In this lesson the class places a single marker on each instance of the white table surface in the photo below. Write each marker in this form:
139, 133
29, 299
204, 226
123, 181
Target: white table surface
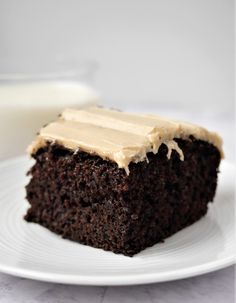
217, 287
214, 287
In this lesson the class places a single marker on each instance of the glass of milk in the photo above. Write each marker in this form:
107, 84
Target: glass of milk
28, 101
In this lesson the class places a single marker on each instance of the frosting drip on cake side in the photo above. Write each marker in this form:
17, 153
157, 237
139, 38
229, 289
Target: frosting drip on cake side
119, 136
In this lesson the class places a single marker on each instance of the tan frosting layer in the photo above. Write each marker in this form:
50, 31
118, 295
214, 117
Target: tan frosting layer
119, 136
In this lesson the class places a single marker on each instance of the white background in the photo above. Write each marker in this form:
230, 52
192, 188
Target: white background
172, 56
154, 52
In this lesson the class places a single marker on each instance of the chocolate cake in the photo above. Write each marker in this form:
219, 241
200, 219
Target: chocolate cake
120, 181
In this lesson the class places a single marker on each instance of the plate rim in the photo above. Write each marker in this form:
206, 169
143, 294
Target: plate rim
120, 280
108, 280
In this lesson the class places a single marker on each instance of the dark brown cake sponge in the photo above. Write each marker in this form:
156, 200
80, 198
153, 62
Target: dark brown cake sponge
90, 200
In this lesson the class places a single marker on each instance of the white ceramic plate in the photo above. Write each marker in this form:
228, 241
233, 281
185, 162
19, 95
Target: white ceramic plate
29, 250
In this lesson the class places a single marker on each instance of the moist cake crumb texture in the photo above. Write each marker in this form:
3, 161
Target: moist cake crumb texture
121, 182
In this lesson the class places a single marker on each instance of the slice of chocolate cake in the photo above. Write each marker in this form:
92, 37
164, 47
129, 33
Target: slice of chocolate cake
119, 181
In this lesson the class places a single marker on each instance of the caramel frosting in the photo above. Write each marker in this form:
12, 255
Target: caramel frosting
119, 136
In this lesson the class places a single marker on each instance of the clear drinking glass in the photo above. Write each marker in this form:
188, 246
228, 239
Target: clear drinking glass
28, 100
